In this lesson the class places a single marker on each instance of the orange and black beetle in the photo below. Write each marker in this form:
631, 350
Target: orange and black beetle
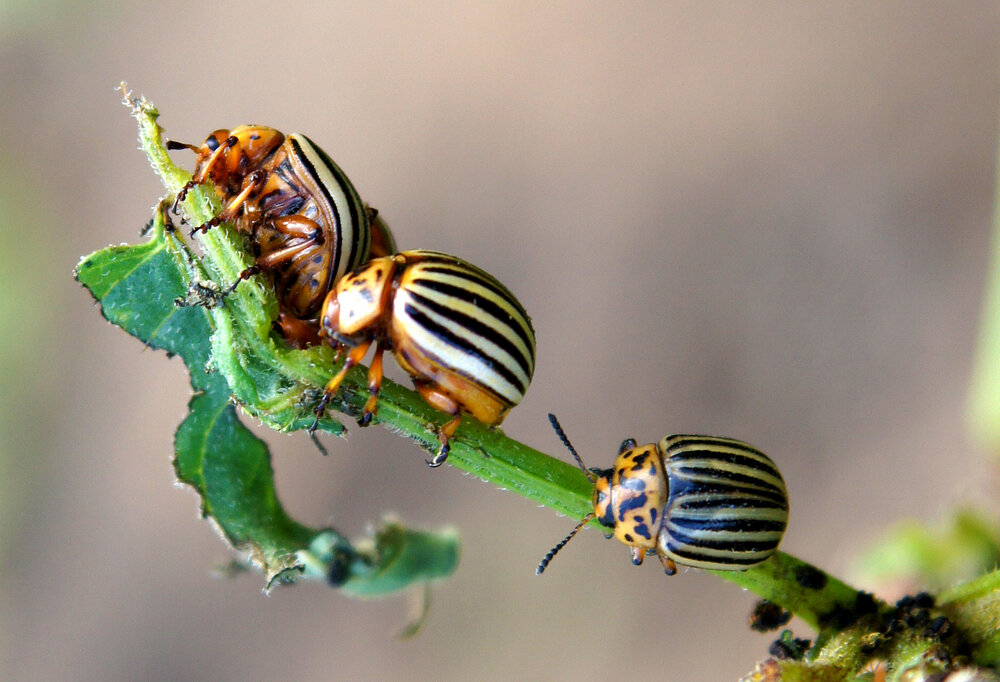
307, 225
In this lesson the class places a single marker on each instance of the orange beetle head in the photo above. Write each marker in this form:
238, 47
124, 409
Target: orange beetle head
226, 156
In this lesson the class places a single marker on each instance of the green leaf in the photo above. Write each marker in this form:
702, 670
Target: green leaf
136, 287
390, 561
401, 555
143, 289
230, 469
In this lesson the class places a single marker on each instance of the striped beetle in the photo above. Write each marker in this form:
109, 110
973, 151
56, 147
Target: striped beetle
460, 334
701, 501
306, 222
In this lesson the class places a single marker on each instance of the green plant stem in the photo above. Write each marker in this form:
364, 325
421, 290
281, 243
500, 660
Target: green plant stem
974, 607
245, 317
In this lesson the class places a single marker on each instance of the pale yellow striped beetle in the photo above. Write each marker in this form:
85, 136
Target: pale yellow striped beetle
460, 334
701, 501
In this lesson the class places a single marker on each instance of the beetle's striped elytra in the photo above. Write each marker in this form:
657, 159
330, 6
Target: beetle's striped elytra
702, 501
462, 336
307, 224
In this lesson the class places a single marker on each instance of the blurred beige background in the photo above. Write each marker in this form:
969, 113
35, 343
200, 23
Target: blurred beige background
768, 221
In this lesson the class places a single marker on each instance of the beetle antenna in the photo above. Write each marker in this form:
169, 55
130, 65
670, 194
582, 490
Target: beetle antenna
562, 436
552, 552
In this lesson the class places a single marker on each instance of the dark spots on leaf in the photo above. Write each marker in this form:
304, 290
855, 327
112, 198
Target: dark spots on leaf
788, 647
810, 577
841, 616
921, 600
865, 604
939, 628
767, 616
340, 567
838, 617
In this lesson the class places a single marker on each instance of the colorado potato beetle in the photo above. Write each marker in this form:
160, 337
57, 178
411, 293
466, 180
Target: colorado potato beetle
701, 501
306, 222
461, 335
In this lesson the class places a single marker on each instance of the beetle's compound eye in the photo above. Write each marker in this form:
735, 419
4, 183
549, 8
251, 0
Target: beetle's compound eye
215, 140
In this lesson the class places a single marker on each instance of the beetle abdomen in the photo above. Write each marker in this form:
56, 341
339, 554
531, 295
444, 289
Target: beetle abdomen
467, 321
341, 212
728, 506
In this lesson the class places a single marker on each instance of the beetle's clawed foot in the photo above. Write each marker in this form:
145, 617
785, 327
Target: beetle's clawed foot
175, 207
371, 405
245, 275
669, 567
439, 459
319, 411
205, 227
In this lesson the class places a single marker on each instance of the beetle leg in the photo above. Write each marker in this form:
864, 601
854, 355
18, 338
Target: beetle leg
252, 183
298, 332
163, 212
445, 434
198, 177
669, 567
206, 169
374, 386
278, 257
246, 274
298, 226
445, 403
320, 409
181, 195
354, 357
